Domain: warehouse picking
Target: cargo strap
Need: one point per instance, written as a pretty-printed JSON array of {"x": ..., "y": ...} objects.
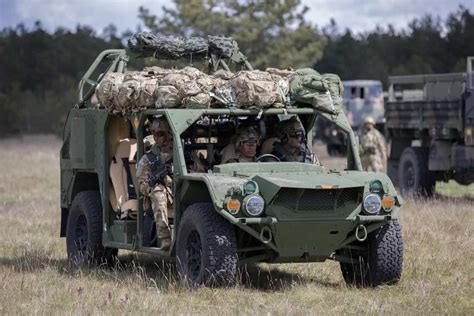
[{"x": 132, "y": 194}]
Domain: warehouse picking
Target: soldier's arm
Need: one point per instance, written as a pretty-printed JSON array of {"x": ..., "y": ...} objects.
[{"x": 143, "y": 175}]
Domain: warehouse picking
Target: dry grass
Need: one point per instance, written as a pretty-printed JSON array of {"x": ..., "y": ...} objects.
[{"x": 438, "y": 274}]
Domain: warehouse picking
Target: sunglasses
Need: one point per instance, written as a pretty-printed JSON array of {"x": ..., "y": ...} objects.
[
  {"x": 160, "y": 134},
  {"x": 296, "y": 135}
]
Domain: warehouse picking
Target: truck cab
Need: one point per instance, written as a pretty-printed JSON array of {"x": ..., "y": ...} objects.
[{"x": 429, "y": 123}]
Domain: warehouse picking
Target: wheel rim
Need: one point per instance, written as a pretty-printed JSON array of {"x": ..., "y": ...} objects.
[
  {"x": 80, "y": 234},
  {"x": 409, "y": 175},
  {"x": 194, "y": 256}
]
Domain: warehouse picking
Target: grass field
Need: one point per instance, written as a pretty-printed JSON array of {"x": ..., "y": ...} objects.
[{"x": 438, "y": 275}]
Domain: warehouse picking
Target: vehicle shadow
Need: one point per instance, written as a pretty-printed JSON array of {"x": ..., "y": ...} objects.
[
  {"x": 159, "y": 274},
  {"x": 272, "y": 278}
]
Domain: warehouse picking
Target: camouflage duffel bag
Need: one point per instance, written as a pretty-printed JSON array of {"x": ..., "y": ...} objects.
[
  {"x": 107, "y": 90},
  {"x": 256, "y": 88},
  {"x": 308, "y": 86}
]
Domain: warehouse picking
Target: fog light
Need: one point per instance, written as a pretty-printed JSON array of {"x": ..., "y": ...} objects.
[
  {"x": 388, "y": 202},
  {"x": 233, "y": 206}
]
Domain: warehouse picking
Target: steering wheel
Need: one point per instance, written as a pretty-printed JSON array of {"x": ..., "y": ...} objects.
[{"x": 268, "y": 158}]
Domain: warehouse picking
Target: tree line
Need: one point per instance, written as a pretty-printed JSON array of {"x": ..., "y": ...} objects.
[{"x": 40, "y": 71}]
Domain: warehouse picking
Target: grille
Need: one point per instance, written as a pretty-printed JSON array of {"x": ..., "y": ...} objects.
[{"x": 316, "y": 200}]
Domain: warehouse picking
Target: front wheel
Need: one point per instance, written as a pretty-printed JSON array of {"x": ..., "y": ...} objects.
[
  {"x": 84, "y": 232},
  {"x": 377, "y": 260},
  {"x": 206, "y": 247}
]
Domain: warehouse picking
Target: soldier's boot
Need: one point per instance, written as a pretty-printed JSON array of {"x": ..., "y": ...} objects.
[{"x": 165, "y": 243}]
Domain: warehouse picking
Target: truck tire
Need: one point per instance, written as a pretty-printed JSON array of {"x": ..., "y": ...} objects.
[
  {"x": 414, "y": 178},
  {"x": 392, "y": 171},
  {"x": 206, "y": 247},
  {"x": 380, "y": 261},
  {"x": 84, "y": 232}
]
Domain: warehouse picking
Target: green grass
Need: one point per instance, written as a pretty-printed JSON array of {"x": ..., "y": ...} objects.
[{"x": 438, "y": 275}]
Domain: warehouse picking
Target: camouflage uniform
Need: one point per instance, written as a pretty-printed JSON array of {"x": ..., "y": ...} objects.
[
  {"x": 284, "y": 131},
  {"x": 373, "y": 151},
  {"x": 159, "y": 195}
]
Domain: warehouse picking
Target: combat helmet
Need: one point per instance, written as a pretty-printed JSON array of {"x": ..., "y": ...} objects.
[
  {"x": 369, "y": 120},
  {"x": 246, "y": 134},
  {"x": 159, "y": 124},
  {"x": 289, "y": 127}
]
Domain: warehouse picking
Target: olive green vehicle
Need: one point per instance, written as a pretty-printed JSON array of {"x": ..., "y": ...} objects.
[
  {"x": 430, "y": 124},
  {"x": 234, "y": 213}
]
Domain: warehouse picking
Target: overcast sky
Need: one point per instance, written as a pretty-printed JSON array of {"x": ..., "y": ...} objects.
[{"x": 358, "y": 15}]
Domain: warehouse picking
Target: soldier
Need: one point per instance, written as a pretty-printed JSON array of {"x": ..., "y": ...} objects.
[
  {"x": 292, "y": 143},
  {"x": 246, "y": 141},
  {"x": 373, "y": 150},
  {"x": 154, "y": 178}
]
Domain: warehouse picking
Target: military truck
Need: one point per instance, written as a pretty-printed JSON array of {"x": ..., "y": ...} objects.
[
  {"x": 430, "y": 122},
  {"x": 232, "y": 214},
  {"x": 362, "y": 98}
]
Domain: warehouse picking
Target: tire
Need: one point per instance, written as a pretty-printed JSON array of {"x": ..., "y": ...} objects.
[
  {"x": 392, "y": 171},
  {"x": 206, "y": 248},
  {"x": 414, "y": 178},
  {"x": 380, "y": 261},
  {"x": 84, "y": 232}
]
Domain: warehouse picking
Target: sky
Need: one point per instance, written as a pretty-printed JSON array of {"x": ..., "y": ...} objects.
[{"x": 357, "y": 15}]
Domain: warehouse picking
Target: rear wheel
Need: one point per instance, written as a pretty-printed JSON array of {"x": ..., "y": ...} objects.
[
  {"x": 377, "y": 260},
  {"x": 84, "y": 232},
  {"x": 414, "y": 178},
  {"x": 206, "y": 248}
]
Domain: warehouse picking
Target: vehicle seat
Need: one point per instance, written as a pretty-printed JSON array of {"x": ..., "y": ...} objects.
[
  {"x": 123, "y": 175},
  {"x": 228, "y": 152}
]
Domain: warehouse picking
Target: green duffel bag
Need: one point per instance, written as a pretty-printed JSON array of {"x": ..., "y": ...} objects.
[
  {"x": 321, "y": 91},
  {"x": 336, "y": 88}
]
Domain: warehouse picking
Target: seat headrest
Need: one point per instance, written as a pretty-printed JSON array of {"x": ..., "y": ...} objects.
[{"x": 126, "y": 148}]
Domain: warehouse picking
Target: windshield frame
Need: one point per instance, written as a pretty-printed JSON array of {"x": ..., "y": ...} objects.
[{"x": 181, "y": 119}]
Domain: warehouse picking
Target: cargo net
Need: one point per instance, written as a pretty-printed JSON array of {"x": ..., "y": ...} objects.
[
  {"x": 175, "y": 47},
  {"x": 156, "y": 87}
]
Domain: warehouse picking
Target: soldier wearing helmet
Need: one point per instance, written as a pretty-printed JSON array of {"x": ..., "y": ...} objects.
[
  {"x": 292, "y": 146},
  {"x": 246, "y": 141},
  {"x": 373, "y": 151},
  {"x": 154, "y": 177}
]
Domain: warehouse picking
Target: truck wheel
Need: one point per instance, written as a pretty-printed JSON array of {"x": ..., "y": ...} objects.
[
  {"x": 206, "y": 248},
  {"x": 380, "y": 259},
  {"x": 84, "y": 232},
  {"x": 392, "y": 171},
  {"x": 414, "y": 178}
]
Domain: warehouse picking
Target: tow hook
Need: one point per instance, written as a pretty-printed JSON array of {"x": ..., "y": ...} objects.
[
  {"x": 266, "y": 235},
  {"x": 362, "y": 237}
]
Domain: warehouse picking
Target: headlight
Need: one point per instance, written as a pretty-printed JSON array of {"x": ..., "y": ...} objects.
[
  {"x": 372, "y": 204},
  {"x": 254, "y": 205}
]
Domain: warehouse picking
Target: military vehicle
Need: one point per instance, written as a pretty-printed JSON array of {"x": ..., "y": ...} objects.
[
  {"x": 362, "y": 98},
  {"x": 430, "y": 122},
  {"x": 232, "y": 214}
]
